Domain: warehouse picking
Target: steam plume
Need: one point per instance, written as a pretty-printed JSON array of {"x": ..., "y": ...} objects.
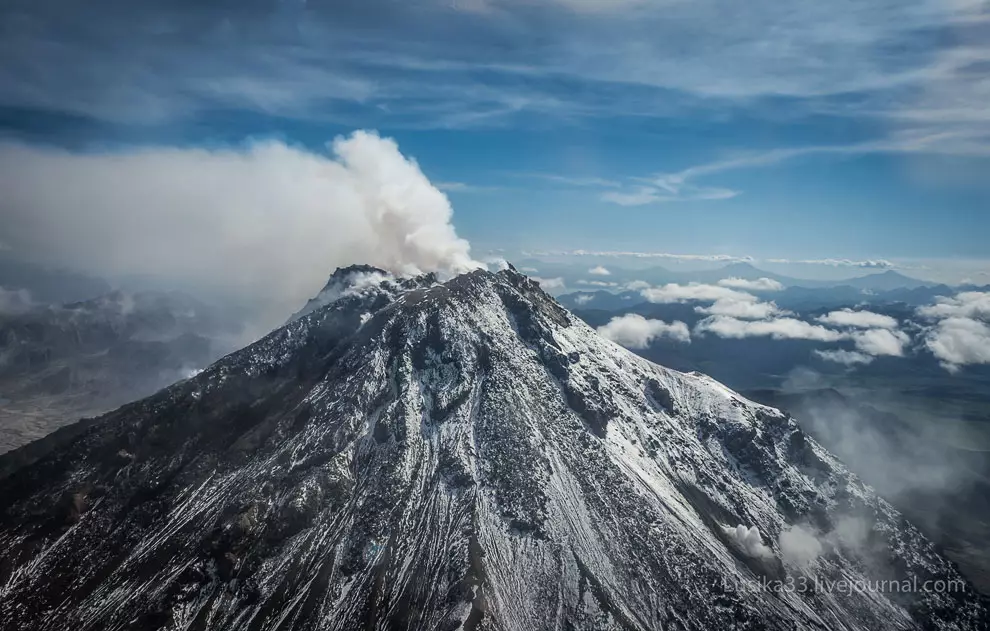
[{"x": 264, "y": 221}]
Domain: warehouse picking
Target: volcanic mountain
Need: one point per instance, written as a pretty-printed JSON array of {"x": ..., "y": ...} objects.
[{"x": 460, "y": 455}]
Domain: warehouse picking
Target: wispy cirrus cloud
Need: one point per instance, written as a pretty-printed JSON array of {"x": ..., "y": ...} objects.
[
  {"x": 464, "y": 187},
  {"x": 680, "y": 186},
  {"x": 645, "y": 195},
  {"x": 481, "y": 63},
  {"x": 570, "y": 180}
]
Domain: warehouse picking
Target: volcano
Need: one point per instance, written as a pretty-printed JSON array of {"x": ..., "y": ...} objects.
[{"x": 416, "y": 454}]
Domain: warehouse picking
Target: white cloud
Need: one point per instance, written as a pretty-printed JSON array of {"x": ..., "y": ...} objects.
[
  {"x": 597, "y": 283},
  {"x": 661, "y": 59},
  {"x": 718, "y": 258},
  {"x": 858, "y": 319},
  {"x": 529, "y": 270},
  {"x": 867, "y": 264},
  {"x": 634, "y": 331},
  {"x": 743, "y": 309},
  {"x": 639, "y": 196},
  {"x": 914, "y": 142},
  {"x": 599, "y": 271},
  {"x": 761, "y": 284},
  {"x": 674, "y": 292},
  {"x": 451, "y": 187},
  {"x": 967, "y": 304},
  {"x": 567, "y": 180},
  {"x": 643, "y": 195},
  {"x": 881, "y": 342},
  {"x": 849, "y": 358},
  {"x": 550, "y": 284},
  {"x": 583, "y": 299},
  {"x": 637, "y": 285},
  {"x": 266, "y": 220},
  {"x": 960, "y": 341},
  {"x": 962, "y": 335},
  {"x": 778, "y": 329}
]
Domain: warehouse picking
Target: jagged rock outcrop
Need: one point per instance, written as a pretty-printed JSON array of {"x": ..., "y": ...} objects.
[{"x": 457, "y": 455}]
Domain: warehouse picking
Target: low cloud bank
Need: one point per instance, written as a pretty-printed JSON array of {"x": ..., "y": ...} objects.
[
  {"x": 736, "y": 314},
  {"x": 550, "y": 284},
  {"x": 741, "y": 309},
  {"x": 960, "y": 333},
  {"x": 858, "y": 319},
  {"x": 635, "y": 331},
  {"x": 881, "y": 342},
  {"x": 960, "y": 341},
  {"x": 761, "y": 284},
  {"x": 847, "y": 358},
  {"x": 778, "y": 329},
  {"x": 674, "y": 293}
]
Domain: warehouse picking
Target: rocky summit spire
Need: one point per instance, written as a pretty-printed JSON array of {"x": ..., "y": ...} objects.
[{"x": 458, "y": 455}]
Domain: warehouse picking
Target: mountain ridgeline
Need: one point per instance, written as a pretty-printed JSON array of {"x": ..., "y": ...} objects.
[{"x": 459, "y": 455}]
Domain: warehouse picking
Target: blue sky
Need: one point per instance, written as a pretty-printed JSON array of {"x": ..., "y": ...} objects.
[{"x": 800, "y": 131}]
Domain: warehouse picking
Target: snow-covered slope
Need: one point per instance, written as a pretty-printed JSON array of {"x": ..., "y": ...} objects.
[{"x": 464, "y": 455}]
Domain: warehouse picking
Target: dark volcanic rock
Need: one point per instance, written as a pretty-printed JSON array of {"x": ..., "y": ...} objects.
[{"x": 464, "y": 455}]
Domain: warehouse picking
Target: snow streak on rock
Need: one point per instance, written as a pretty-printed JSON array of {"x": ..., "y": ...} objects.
[{"x": 464, "y": 455}]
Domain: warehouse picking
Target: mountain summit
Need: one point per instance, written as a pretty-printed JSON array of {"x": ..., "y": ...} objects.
[{"x": 457, "y": 455}]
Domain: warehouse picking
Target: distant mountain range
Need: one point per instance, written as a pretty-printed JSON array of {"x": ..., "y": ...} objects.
[
  {"x": 58, "y": 363},
  {"x": 48, "y": 285},
  {"x": 576, "y": 276},
  {"x": 881, "y": 288}
]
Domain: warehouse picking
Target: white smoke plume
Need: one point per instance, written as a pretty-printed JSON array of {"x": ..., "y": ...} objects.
[
  {"x": 14, "y": 301},
  {"x": 265, "y": 221},
  {"x": 749, "y": 541},
  {"x": 799, "y": 546}
]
